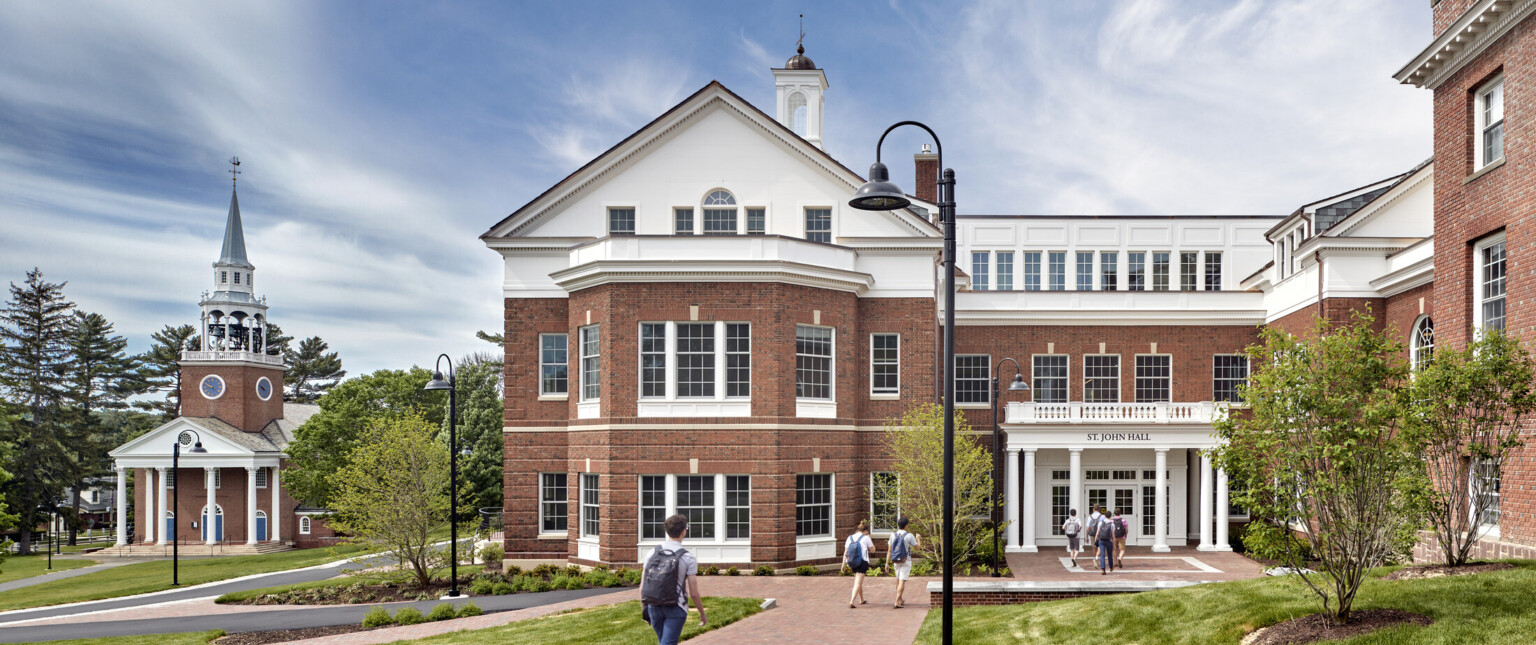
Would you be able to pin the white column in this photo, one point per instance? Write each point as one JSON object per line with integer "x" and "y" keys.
{"x": 250, "y": 505}
{"x": 1160, "y": 521}
{"x": 1076, "y": 482}
{"x": 1221, "y": 511}
{"x": 1207, "y": 489}
{"x": 1030, "y": 520}
{"x": 122, "y": 504}
{"x": 212, "y": 521}
{"x": 275, "y": 516}
{"x": 160, "y": 508}
{"x": 1011, "y": 497}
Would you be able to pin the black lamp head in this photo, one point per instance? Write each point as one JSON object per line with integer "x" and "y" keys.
{"x": 437, "y": 382}
{"x": 879, "y": 194}
{"x": 198, "y": 449}
{"x": 1018, "y": 384}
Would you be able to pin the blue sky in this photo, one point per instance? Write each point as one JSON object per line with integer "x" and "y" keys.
{"x": 380, "y": 139}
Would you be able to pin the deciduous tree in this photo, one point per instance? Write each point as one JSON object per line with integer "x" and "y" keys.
{"x": 916, "y": 445}
{"x": 392, "y": 491}
{"x": 480, "y": 432}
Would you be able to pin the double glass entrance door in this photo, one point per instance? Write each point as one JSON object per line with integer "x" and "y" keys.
{"x": 1121, "y": 498}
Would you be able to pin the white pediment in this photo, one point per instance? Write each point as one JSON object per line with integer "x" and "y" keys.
{"x": 154, "y": 448}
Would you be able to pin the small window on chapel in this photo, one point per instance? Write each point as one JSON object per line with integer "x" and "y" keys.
{"x": 237, "y": 277}
{"x": 223, "y": 277}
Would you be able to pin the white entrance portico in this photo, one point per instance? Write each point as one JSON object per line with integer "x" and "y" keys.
{"x": 1143, "y": 459}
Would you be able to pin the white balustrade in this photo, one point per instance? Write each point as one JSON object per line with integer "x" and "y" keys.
{"x": 1120, "y": 412}
{"x": 222, "y": 355}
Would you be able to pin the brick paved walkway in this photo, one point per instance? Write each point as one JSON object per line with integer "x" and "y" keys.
{"x": 1182, "y": 563}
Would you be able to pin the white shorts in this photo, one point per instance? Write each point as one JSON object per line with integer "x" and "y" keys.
{"x": 904, "y": 570}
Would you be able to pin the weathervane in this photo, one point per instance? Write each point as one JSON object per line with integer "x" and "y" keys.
{"x": 799, "y": 44}
{"x": 234, "y": 173}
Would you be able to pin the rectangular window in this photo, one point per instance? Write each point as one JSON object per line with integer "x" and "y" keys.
{"x": 695, "y": 360}
{"x": 1189, "y": 271}
{"x": 1101, "y": 378}
{"x": 1085, "y": 270}
{"x": 1058, "y": 270}
{"x": 589, "y": 517}
{"x": 738, "y": 360}
{"x": 1149, "y": 509}
{"x": 884, "y": 500}
{"x": 591, "y": 364}
{"x": 813, "y": 505}
{"x": 1484, "y": 480}
{"x": 1160, "y": 271}
{"x": 1061, "y": 500}
{"x": 1154, "y": 378}
{"x": 653, "y": 507}
{"x": 884, "y": 363}
{"x": 218, "y": 478}
{"x": 818, "y": 225}
{"x": 1490, "y": 123}
{"x": 696, "y": 501}
{"x": 979, "y": 262}
{"x": 653, "y": 360}
{"x": 621, "y": 221}
{"x": 170, "y": 477}
{"x": 1109, "y": 263}
{"x": 1136, "y": 271}
{"x": 553, "y": 363}
{"x": 553, "y": 512}
{"x": 237, "y": 277}
{"x": 738, "y": 506}
{"x": 1123, "y": 475}
{"x": 261, "y": 478}
{"x": 719, "y": 221}
{"x": 1490, "y": 284}
{"x": 973, "y": 379}
{"x": 1061, "y": 475}
{"x": 757, "y": 221}
{"x": 1005, "y": 270}
{"x": 1229, "y": 371}
{"x": 813, "y": 362}
{"x": 1031, "y": 270}
{"x": 683, "y": 221}
{"x": 1050, "y": 372}
{"x": 223, "y": 277}
{"x": 1213, "y": 271}
{"x": 1096, "y": 475}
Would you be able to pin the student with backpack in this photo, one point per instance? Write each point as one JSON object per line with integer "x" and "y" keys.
{"x": 1073, "y": 528}
{"x": 668, "y": 571}
{"x": 1102, "y": 532}
{"x": 1094, "y": 513}
{"x": 856, "y": 553}
{"x": 1121, "y": 530}
{"x": 901, "y": 546}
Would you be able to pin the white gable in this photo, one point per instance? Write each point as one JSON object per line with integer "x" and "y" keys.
{"x": 153, "y": 449}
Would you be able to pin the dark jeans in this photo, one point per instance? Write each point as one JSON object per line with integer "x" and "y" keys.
{"x": 668, "y": 622}
{"x": 1106, "y": 554}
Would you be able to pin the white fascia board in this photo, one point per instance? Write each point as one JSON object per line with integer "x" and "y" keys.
{"x": 1276, "y": 314}
{"x": 894, "y": 245}
{"x": 1340, "y": 246}
{"x": 1483, "y": 24}
{"x": 1414, "y": 275}
{"x": 1076, "y": 308}
{"x": 597, "y": 273}
{"x": 513, "y": 245}
{"x": 1381, "y": 204}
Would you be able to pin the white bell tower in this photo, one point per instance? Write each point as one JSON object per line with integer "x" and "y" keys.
{"x": 799, "y": 86}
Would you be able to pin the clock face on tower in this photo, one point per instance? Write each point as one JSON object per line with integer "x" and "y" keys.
{"x": 264, "y": 388}
{"x": 211, "y": 386}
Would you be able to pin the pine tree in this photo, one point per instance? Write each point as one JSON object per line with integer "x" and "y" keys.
{"x": 160, "y": 368}
{"x": 479, "y": 433}
{"x": 312, "y": 371}
{"x": 275, "y": 343}
{"x": 101, "y": 376}
{"x": 35, "y": 328}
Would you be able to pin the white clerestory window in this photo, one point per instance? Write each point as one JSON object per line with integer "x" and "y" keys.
{"x": 1489, "y": 119}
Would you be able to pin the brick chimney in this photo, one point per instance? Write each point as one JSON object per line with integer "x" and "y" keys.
{"x": 1447, "y": 11}
{"x": 927, "y": 188}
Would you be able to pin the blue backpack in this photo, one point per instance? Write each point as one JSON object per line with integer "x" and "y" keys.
{"x": 899, "y": 553}
{"x": 854, "y": 552}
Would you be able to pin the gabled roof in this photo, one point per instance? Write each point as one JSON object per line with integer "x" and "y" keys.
{"x": 600, "y": 165}
{"x": 234, "y": 237}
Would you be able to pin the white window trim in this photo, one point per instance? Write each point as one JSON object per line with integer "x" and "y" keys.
{"x": 1119, "y": 377}
{"x": 985, "y": 405}
{"x": 1478, "y": 271}
{"x": 669, "y": 496}
{"x": 1120, "y": 270}
{"x": 1042, "y": 269}
{"x": 877, "y": 395}
{"x": 555, "y": 396}
{"x": 1480, "y": 122}
{"x": 767, "y": 217}
{"x": 877, "y": 530}
{"x": 1414, "y": 348}
{"x": 1134, "y": 377}
{"x": 670, "y": 370}
{"x": 981, "y": 282}
{"x": 581, "y": 513}
{"x": 304, "y": 525}
{"x": 581, "y": 363}
{"x": 740, "y": 217}
{"x": 693, "y": 220}
{"x": 542, "y": 501}
{"x": 831, "y": 369}
{"x": 831, "y": 224}
{"x": 1486, "y": 530}
{"x": 831, "y": 536}
{"x": 1247, "y": 372}
{"x": 1067, "y": 259}
{"x": 608, "y": 218}
{"x": 1034, "y": 377}
{"x": 261, "y": 478}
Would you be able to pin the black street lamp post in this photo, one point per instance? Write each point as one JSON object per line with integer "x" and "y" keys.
{"x": 197, "y": 449}
{"x": 1017, "y": 385}
{"x": 437, "y": 383}
{"x": 880, "y": 194}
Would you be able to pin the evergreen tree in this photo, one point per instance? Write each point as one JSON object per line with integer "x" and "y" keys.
{"x": 275, "y": 343}
{"x": 160, "y": 368}
{"x": 101, "y": 376}
{"x": 35, "y": 328}
{"x": 480, "y": 423}
{"x": 312, "y": 371}
{"x": 499, "y": 340}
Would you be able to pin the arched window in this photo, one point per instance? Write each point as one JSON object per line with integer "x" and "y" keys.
{"x": 304, "y": 526}
{"x": 798, "y": 113}
{"x": 1421, "y": 347}
{"x": 719, "y": 213}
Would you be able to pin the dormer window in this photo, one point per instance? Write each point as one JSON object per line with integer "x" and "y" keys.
{"x": 1490, "y": 123}
{"x": 719, "y": 213}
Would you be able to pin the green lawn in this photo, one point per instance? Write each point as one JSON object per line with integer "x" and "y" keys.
{"x": 612, "y": 624}
{"x": 17, "y": 567}
{"x": 156, "y": 576}
{"x": 237, "y": 596}
{"x": 1495, "y": 607}
{"x": 185, "y": 638}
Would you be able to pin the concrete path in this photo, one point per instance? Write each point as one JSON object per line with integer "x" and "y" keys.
{"x": 60, "y": 575}
{"x": 1181, "y": 563}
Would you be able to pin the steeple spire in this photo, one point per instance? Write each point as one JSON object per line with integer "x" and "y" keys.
{"x": 234, "y": 234}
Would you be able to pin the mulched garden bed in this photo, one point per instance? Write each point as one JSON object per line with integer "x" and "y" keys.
{"x": 1314, "y": 628}
{"x": 354, "y": 594}
{"x": 1441, "y": 571}
{"x": 287, "y": 635}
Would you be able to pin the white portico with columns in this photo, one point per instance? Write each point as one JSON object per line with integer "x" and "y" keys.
{"x": 1147, "y": 460}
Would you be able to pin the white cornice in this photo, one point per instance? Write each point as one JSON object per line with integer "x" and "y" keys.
{"x": 593, "y": 274}
{"x": 508, "y": 245}
{"x": 1417, "y": 274}
{"x": 1470, "y": 35}
{"x": 1081, "y": 318}
{"x": 1382, "y": 203}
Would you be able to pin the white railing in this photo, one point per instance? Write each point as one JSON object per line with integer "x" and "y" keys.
{"x": 1080, "y": 412}
{"x": 252, "y": 357}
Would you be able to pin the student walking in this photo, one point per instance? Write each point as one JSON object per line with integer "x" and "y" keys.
{"x": 1094, "y": 515}
{"x": 1121, "y": 530}
{"x": 856, "y": 553}
{"x": 1074, "y": 529}
{"x": 668, "y": 571}
{"x": 1102, "y": 533}
{"x": 901, "y": 546}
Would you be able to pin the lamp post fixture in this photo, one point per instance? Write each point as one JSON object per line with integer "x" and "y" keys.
{"x": 880, "y": 194}
{"x": 1017, "y": 385}
{"x": 197, "y": 449}
{"x": 437, "y": 383}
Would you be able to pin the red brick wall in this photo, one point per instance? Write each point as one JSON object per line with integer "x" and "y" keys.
{"x": 1447, "y": 11}
{"x": 1403, "y": 309}
{"x": 239, "y": 406}
{"x": 926, "y": 178}
{"x": 320, "y": 532}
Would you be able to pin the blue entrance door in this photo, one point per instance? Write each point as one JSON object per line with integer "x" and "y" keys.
{"x": 170, "y": 527}
{"x": 261, "y": 526}
{"x": 218, "y": 525}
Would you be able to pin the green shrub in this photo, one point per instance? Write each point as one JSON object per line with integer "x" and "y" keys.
{"x": 733, "y": 571}
{"x": 574, "y": 584}
{"x": 511, "y": 570}
{"x": 711, "y": 570}
{"x": 539, "y": 585}
{"x": 409, "y": 616}
{"x": 572, "y": 570}
{"x": 377, "y": 617}
{"x": 444, "y": 611}
{"x": 763, "y": 570}
{"x": 1006, "y": 572}
{"x": 492, "y": 552}
{"x": 632, "y": 576}
{"x": 923, "y": 568}
{"x": 503, "y": 588}
{"x": 469, "y": 609}
{"x": 545, "y": 571}
{"x": 483, "y": 588}
{"x": 845, "y": 571}
{"x": 560, "y": 581}
{"x": 806, "y": 570}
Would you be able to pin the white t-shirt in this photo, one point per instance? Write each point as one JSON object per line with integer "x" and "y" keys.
{"x": 863, "y": 539}
{"x": 688, "y": 565}
{"x": 910, "y": 539}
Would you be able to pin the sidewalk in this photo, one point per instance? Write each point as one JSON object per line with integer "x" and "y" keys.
{"x": 60, "y": 575}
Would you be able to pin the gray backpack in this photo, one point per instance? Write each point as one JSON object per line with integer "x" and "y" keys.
{"x": 663, "y": 572}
